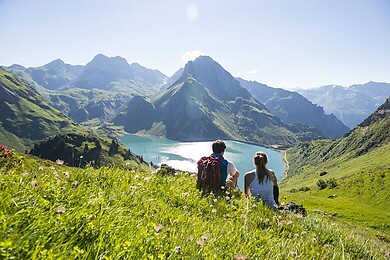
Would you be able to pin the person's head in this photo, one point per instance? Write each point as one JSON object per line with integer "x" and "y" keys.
{"x": 260, "y": 159}
{"x": 219, "y": 146}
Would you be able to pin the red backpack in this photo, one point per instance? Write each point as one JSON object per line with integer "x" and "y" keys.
{"x": 209, "y": 173}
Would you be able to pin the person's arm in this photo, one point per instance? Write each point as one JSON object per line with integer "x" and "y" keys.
{"x": 275, "y": 188}
{"x": 248, "y": 178}
{"x": 233, "y": 172}
{"x": 273, "y": 177}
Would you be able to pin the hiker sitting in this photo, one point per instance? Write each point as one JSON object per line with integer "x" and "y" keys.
{"x": 225, "y": 175}
{"x": 260, "y": 182}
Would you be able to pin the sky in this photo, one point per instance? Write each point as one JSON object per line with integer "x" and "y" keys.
{"x": 289, "y": 44}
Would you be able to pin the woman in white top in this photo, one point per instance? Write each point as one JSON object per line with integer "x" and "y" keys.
{"x": 260, "y": 182}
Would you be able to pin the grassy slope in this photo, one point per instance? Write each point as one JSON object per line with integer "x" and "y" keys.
{"x": 55, "y": 212}
{"x": 362, "y": 194}
{"x": 25, "y": 116}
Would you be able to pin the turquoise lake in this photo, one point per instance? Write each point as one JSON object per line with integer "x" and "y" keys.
{"x": 184, "y": 155}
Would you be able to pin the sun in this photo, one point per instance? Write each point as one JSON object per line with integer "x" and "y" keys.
{"x": 192, "y": 12}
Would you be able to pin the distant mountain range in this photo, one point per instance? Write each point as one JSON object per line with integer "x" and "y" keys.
{"x": 94, "y": 91}
{"x": 349, "y": 104}
{"x": 101, "y": 73}
{"x": 292, "y": 107}
{"x": 202, "y": 94}
{"x": 206, "y": 102}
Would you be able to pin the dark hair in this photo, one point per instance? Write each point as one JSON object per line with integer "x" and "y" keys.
{"x": 219, "y": 146}
{"x": 260, "y": 159}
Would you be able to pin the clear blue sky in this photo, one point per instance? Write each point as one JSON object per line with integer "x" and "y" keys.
{"x": 288, "y": 44}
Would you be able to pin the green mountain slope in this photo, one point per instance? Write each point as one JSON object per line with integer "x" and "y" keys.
{"x": 25, "y": 117}
{"x": 347, "y": 178}
{"x": 82, "y": 151}
{"x": 50, "y": 211}
{"x": 206, "y": 103}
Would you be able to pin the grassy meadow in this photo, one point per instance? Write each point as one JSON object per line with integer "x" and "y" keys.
{"x": 50, "y": 211}
{"x": 357, "y": 194}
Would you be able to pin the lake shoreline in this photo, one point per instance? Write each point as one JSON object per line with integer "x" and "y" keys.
{"x": 285, "y": 164}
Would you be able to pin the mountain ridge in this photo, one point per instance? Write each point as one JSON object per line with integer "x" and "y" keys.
{"x": 218, "y": 106}
{"x": 291, "y": 107}
{"x": 349, "y": 104}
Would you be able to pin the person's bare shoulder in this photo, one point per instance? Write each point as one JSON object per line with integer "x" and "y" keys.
{"x": 249, "y": 173}
{"x": 273, "y": 176}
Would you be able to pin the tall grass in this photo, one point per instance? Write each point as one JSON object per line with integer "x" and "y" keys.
{"x": 51, "y": 211}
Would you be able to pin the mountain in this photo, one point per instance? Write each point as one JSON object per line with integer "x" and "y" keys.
{"x": 292, "y": 107}
{"x": 87, "y": 104}
{"x": 54, "y": 75}
{"x": 206, "y": 102}
{"x": 25, "y": 117}
{"x": 94, "y": 91}
{"x": 350, "y": 104}
{"x": 113, "y": 74}
{"x": 116, "y": 74}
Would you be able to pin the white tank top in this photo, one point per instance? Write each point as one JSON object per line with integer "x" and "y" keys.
{"x": 263, "y": 191}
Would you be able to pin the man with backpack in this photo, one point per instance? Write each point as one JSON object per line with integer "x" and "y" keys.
{"x": 215, "y": 172}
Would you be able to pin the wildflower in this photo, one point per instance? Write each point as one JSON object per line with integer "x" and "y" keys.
{"x": 314, "y": 240}
{"x": 214, "y": 211}
{"x": 227, "y": 198}
{"x": 185, "y": 194}
{"x": 215, "y": 200}
{"x": 67, "y": 174}
{"x": 234, "y": 207}
{"x": 289, "y": 222}
{"x": 60, "y": 210}
{"x": 75, "y": 183}
{"x": 158, "y": 228}
{"x": 292, "y": 253}
{"x": 303, "y": 233}
{"x": 33, "y": 183}
{"x": 200, "y": 242}
{"x": 59, "y": 162}
{"x": 6, "y": 154}
{"x": 40, "y": 168}
{"x": 240, "y": 257}
{"x": 24, "y": 174}
{"x": 190, "y": 238}
{"x": 204, "y": 237}
{"x": 177, "y": 249}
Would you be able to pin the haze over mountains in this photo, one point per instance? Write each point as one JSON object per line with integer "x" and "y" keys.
{"x": 201, "y": 101}
{"x": 349, "y": 104}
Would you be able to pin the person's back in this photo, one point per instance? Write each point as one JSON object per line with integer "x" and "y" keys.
{"x": 262, "y": 190}
{"x": 227, "y": 171}
{"x": 259, "y": 182}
